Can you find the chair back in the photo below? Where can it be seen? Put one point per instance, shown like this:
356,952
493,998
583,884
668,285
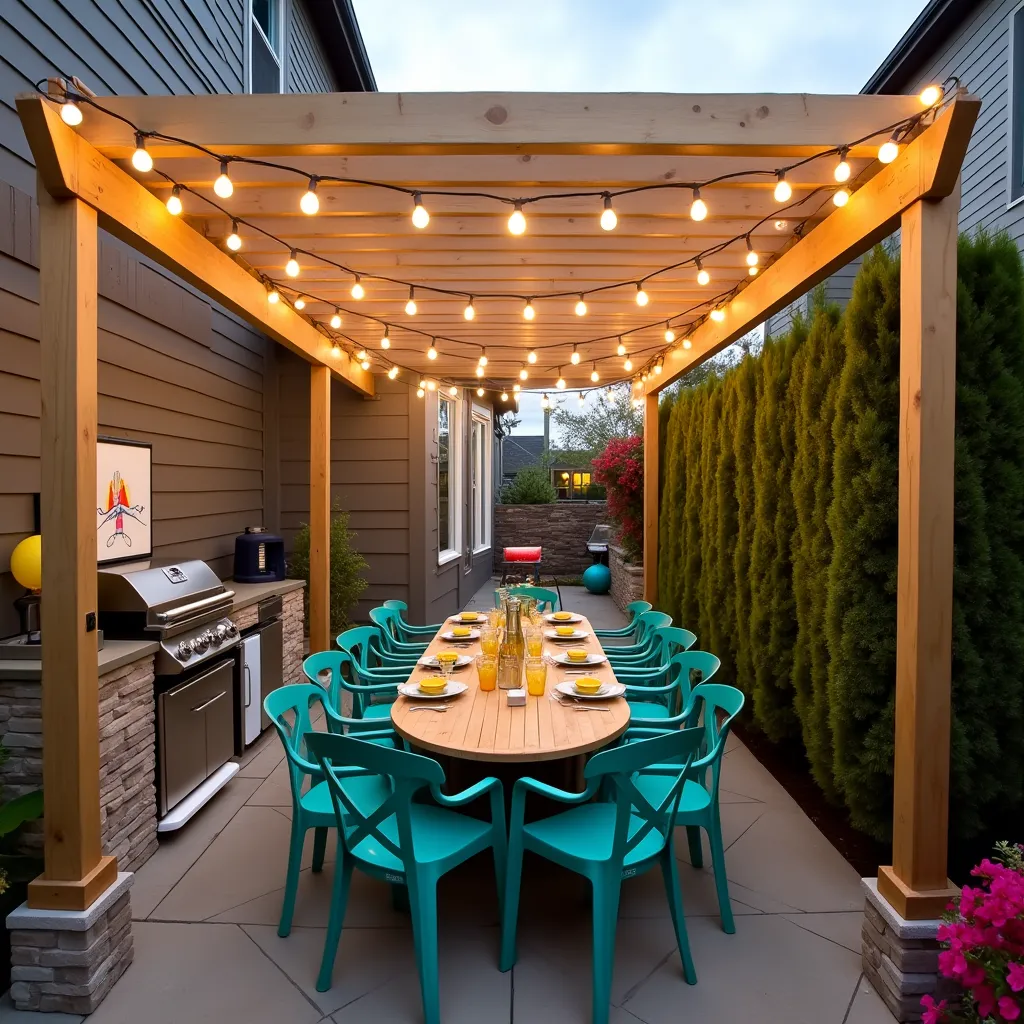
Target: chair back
386,620
408,773
648,622
547,600
327,662
288,708
690,669
363,643
398,606
670,640
636,608
618,766
720,704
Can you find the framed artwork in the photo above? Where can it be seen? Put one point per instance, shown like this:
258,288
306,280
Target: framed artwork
124,498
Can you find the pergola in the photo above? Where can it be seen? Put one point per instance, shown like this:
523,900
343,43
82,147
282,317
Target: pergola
507,146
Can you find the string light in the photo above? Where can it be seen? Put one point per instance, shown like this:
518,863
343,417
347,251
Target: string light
71,113
504,396
365,364
783,190
888,151
385,338
479,371
621,350
336,319
300,303
610,395
637,384
174,201
752,271
420,217
141,160
480,392
310,201
628,364
431,385
336,351
223,186
453,391
517,220
931,94
291,268
234,242
594,375
531,357
393,372
419,392
432,351
703,277
643,377
516,388
545,402
658,367
670,335
469,312
575,357
751,254
608,217
483,357
358,291
581,306
718,314
528,310
840,197
423,383
582,399
842,171
524,373
641,295
698,208
410,306
560,383
273,295
687,343
362,354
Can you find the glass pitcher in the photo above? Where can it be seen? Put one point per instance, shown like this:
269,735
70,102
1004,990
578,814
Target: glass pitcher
510,655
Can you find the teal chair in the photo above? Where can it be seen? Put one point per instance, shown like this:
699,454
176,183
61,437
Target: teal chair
289,710
386,620
365,644
669,705
547,600
606,841
656,669
341,676
373,690
635,609
698,806
410,632
646,624
403,841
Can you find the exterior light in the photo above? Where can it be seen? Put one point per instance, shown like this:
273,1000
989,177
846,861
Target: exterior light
174,202
273,295
840,197
310,202
608,217
560,383
362,354
432,351
842,171
517,220
703,277
783,190
528,311
628,364
524,373
419,392
581,306
670,335
410,306
888,151
575,357
385,338
291,268
480,392
641,296
483,357
358,291
420,217
469,312
223,185
545,402
516,388
698,208
531,357
393,372
479,371
751,254
234,242
336,351
141,160
453,390
504,396
336,319
365,364
931,95
300,303
594,375
687,343
71,113
621,350
718,314
582,398
431,385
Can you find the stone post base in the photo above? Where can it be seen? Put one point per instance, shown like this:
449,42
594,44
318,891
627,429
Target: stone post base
900,957
67,960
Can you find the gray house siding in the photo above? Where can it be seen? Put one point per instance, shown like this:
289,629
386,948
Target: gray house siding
307,68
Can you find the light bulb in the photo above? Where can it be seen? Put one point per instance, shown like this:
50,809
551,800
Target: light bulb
560,383
703,277
657,368
432,351
888,151
431,385
718,314
528,310
336,319
698,208
752,271
610,395
71,113
365,364
336,351
670,335
479,371
594,375
687,343
751,254
504,396
516,388
410,306
174,201
358,291
453,391
393,372
361,354
517,220
621,350
423,383
638,383
524,373
273,295
783,190
310,202
469,312
545,402
385,338
234,242
840,197
628,364
300,303
483,357
291,268
141,160
643,377
575,357
581,307
223,186
419,392
582,398
842,171
420,217
931,95
641,296
608,218
780,225
531,357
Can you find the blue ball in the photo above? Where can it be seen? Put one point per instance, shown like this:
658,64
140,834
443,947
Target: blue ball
598,579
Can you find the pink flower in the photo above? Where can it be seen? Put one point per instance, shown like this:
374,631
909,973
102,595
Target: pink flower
986,1000
973,975
1009,1009
1015,977
934,1013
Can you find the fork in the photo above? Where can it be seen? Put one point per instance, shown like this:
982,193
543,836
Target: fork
429,707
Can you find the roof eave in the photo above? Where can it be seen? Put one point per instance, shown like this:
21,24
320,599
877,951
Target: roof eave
338,28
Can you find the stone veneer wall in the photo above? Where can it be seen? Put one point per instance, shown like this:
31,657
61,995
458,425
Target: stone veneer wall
293,617
627,579
21,732
562,529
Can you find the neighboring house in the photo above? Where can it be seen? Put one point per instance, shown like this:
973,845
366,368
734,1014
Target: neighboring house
570,477
981,42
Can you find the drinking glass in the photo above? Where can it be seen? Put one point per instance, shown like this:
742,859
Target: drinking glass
494,617
490,641
487,671
534,641
536,676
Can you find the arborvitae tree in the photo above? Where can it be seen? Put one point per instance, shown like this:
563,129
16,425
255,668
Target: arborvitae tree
747,374
672,498
691,548
722,637
861,604
707,607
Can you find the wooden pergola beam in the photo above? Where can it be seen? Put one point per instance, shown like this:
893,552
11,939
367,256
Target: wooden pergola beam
651,486
319,510
70,167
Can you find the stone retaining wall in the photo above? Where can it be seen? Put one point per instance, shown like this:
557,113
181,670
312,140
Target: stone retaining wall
627,579
561,528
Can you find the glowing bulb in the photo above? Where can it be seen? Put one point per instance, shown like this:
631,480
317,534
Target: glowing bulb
608,218
751,254
469,312
888,151
524,373
703,277
358,291
670,335
638,383
174,201
310,202
610,395
581,307
273,295
336,319
291,268
453,391
419,392
698,208
931,95
223,185
393,372
783,190
365,364
71,113
141,160
362,354
479,371
687,343
385,339
483,357
840,197
621,350
718,314
575,357
628,364
843,170
234,242
545,402
657,368
531,357
300,303
410,306
594,375
432,351
582,398
516,389
560,383
420,217
643,377
336,351
528,310
504,396
517,220
752,271
780,225
423,383
641,296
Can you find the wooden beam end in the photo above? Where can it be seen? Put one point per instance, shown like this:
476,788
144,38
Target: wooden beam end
78,894
914,904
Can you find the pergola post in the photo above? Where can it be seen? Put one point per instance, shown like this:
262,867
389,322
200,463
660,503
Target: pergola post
319,508
74,873
651,444
916,885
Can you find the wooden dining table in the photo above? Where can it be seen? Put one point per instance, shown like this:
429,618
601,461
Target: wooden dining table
479,725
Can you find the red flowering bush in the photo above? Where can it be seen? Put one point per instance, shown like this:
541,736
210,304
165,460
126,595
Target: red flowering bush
984,938
620,467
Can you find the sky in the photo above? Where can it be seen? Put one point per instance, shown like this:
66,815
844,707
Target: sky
822,46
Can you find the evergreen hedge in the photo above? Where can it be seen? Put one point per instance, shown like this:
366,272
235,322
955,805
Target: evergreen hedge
779,530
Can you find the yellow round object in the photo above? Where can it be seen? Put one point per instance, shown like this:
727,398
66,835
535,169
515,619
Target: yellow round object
576,654
447,656
460,631
565,630
562,615
27,563
433,685
586,684
470,616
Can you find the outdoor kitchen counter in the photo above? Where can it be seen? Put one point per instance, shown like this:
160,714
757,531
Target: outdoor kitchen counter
114,655
247,594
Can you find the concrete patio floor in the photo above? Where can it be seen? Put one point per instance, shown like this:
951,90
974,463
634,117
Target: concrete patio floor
206,908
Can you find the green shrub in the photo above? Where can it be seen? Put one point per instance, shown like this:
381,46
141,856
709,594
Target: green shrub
531,486
347,568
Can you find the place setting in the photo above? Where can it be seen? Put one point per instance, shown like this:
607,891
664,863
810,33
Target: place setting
435,688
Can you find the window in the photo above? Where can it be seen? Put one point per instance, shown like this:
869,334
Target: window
1015,179
571,485
265,69
448,519
480,479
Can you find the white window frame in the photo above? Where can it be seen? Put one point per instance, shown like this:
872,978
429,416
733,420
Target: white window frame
250,22
481,525
455,474
1015,124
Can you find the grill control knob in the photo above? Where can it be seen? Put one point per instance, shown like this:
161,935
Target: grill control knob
221,633
184,650
201,643
232,629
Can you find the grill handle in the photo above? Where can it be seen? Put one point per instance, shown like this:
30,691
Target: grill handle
202,604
